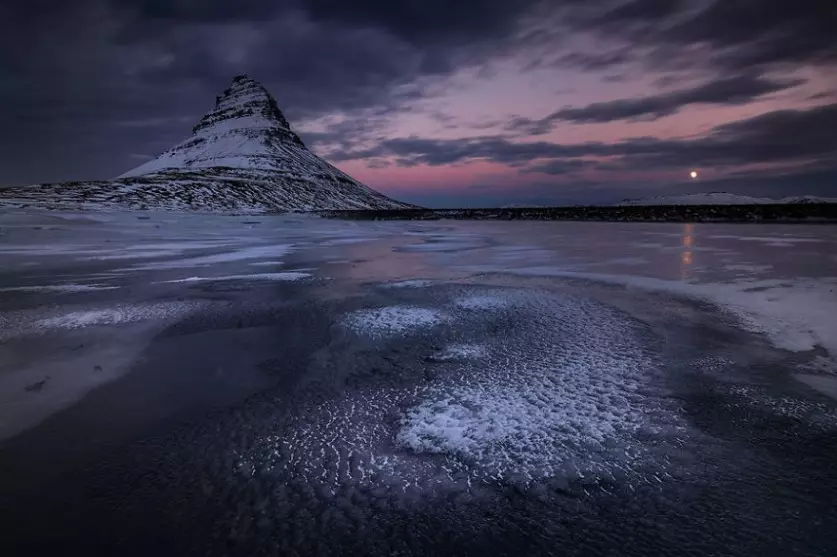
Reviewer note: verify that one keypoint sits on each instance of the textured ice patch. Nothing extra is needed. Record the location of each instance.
(479, 302)
(286, 276)
(807, 412)
(565, 397)
(561, 399)
(114, 315)
(393, 320)
(413, 283)
(795, 314)
(345, 444)
(460, 352)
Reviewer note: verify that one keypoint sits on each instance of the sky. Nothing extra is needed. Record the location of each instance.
(444, 103)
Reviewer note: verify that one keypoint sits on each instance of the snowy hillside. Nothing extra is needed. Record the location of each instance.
(242, 157)
(722, 198)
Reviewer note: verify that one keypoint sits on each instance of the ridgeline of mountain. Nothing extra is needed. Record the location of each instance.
(723, 198)
(242, 157)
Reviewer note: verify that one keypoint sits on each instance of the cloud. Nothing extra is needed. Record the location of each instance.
(87, 83)
(730, 91)
(428, 20)
(745, 33)
(721, 34)
(775, 137)
(561, 166)
(597, 60)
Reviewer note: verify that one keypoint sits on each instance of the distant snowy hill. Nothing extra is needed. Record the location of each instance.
(242, 157)
(721, 198)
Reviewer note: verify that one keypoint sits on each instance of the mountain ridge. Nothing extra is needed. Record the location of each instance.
(242, 156)
(723, 198)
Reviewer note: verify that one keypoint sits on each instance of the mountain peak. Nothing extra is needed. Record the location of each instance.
(241, 157)
(246, 103)
(245, 130)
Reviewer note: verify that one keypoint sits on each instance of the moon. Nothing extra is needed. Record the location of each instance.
(693, 174)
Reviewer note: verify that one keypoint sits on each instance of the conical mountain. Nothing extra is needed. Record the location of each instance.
(242, 156)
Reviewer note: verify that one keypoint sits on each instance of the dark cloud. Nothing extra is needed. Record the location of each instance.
(596, 61)
(644, 13)
(182, 11)
(731, 91)
(760, 32)
(426, 20)
(729, 34)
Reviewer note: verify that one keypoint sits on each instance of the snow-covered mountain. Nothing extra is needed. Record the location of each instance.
(722, 198)
(242, 157)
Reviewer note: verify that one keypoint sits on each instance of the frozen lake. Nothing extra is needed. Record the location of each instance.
(188, 384)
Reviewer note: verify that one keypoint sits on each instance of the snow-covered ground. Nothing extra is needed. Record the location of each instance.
(418, 362)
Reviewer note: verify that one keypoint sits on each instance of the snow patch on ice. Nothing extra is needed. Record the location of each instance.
(393, 320)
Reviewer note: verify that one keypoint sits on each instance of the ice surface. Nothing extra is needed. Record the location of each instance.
(484, 301)
(413, 283)
(797, 315)
(266, 263)
(580, 388)
(35, 385)
(145, 254)
(813, 414)
(767, 239)
(114, 315)
(254, 252)
(564, 394)
(68, 288)
(284, 276)
(561, 398)
(461, 352)
(825, 384)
